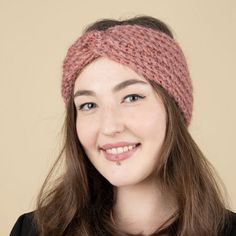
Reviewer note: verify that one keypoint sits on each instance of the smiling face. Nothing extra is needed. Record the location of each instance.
(119, 115)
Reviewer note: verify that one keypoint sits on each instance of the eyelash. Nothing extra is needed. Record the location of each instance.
(130, 95)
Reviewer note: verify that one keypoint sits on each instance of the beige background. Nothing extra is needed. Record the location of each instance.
(34, 37)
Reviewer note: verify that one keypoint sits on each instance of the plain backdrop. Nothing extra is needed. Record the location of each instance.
(34, 38)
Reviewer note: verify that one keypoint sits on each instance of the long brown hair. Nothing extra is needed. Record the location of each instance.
(80, 200)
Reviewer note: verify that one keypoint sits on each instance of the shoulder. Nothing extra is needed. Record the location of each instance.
(233, 217)
(230, 230)
(24, 226)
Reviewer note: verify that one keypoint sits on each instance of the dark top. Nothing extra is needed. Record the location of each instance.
(24, 226)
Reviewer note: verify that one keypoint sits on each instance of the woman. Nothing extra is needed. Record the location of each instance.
(131, 166)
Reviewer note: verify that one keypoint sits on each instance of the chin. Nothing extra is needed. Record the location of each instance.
(119, 181)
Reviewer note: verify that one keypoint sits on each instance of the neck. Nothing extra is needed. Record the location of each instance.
(142, 208)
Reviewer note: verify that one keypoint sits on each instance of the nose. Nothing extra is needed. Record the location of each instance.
(111, 122)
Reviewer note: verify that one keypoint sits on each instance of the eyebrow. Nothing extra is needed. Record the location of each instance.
(117, 88)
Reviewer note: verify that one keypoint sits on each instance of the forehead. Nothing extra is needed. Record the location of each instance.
(105, 71)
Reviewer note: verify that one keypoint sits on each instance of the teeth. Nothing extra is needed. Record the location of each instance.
(120, 149)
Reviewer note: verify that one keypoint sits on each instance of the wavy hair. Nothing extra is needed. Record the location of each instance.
(80, 200)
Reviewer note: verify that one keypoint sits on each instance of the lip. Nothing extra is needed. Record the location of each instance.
(115, 145)
(121, 156)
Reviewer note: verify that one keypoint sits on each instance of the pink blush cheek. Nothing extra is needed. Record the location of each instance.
(85, 134)
(147, 118)
(150, 125)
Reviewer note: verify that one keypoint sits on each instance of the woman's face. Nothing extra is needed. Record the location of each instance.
(118, 111)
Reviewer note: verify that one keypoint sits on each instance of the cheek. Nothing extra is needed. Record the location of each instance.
(156, 123)
(86, 132)
(150, 122)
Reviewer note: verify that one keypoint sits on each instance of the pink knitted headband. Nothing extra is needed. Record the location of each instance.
(150, 53)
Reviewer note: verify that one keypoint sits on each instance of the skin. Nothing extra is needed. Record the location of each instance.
(109, 116)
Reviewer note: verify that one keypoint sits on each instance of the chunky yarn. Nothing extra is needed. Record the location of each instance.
(149, 52)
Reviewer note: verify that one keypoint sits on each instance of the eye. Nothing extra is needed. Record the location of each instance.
(87, 106)
(133, 97)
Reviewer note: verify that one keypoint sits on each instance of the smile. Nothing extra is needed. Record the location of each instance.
(120, 149)
(120, 153)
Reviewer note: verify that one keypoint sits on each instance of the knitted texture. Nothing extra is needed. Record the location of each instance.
(150, 53)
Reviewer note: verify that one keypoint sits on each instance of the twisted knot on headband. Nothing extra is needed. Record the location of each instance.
(149, 52)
